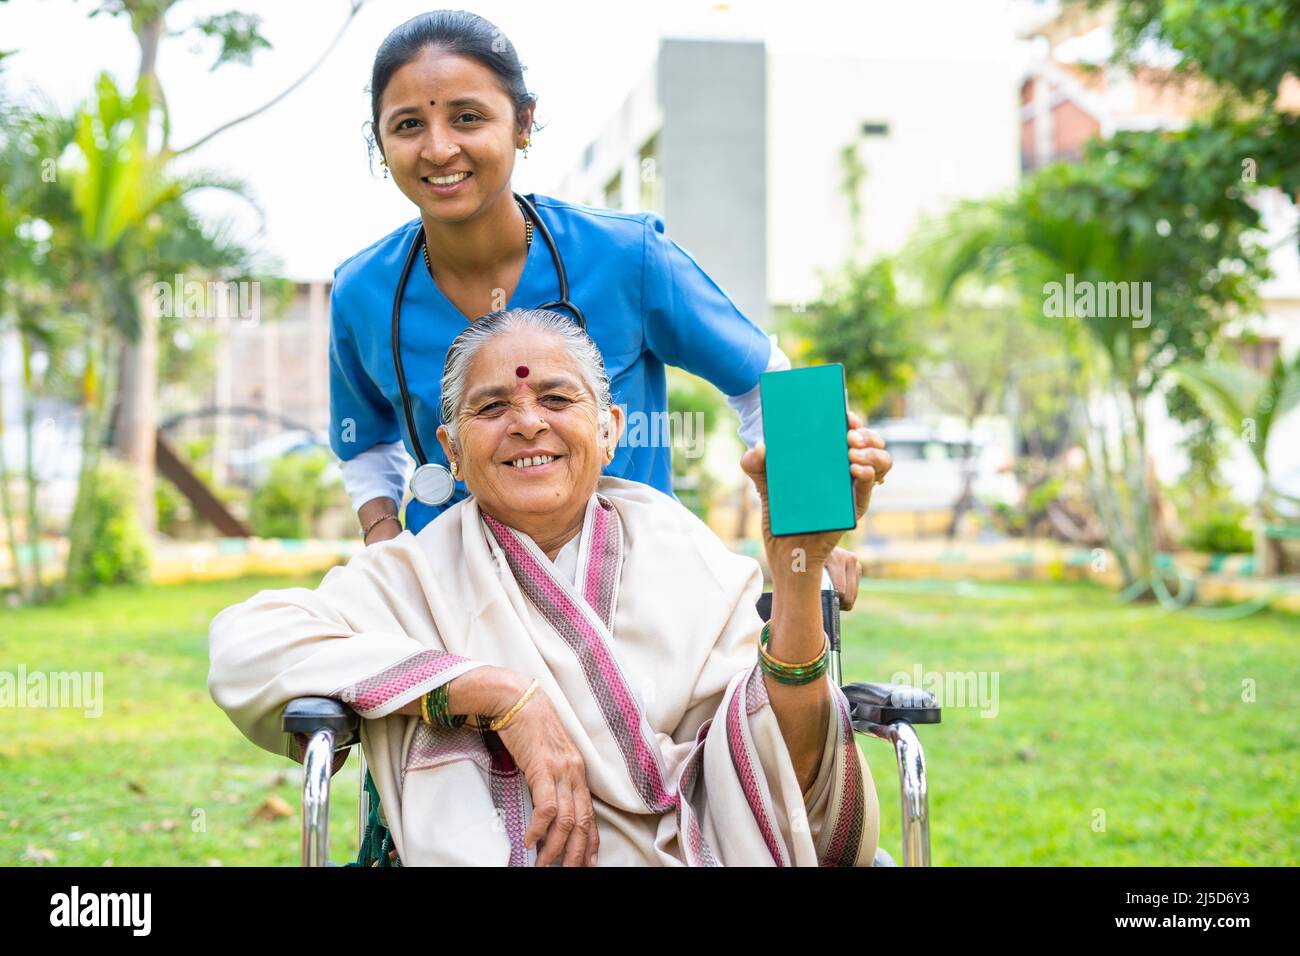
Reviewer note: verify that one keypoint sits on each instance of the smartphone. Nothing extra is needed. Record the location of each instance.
(805, 431)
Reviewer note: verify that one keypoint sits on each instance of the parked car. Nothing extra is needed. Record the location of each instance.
(251, 466)
(930, 466)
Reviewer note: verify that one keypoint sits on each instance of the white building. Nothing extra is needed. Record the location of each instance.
(735, 133)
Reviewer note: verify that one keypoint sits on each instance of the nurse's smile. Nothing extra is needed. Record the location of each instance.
(446, 185)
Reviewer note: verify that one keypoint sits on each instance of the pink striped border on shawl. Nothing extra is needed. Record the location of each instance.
(371, 693)
(507, 782)
(603, 562)
(696, 848)
(617, 704)
(753, 695)
(850, 820)
(434, 747)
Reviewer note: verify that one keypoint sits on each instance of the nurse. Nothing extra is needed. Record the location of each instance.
(449, 109)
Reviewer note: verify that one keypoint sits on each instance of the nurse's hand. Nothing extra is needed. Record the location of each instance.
(380, 516)
(845, 571)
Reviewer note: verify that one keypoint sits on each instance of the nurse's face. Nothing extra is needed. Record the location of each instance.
(444, 115)
(506, 416)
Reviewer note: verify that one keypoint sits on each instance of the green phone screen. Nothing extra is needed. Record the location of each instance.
(805, 428)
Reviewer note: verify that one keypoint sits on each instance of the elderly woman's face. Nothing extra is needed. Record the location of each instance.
(524, 399)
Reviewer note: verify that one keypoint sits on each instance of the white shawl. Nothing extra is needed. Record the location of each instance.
(649, 658)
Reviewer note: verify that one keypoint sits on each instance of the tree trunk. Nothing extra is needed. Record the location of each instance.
(966, 500)
(7, 510)
(94, 388)
(1101, 483)
(137, 423)
(29, 432)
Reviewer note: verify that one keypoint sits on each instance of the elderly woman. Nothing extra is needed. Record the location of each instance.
(566, 668)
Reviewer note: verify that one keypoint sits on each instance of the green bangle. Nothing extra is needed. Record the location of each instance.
(787, 673)
(435, 706)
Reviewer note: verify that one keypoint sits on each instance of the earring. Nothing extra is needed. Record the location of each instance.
(527, 143)
(455, 470)
(384, 163)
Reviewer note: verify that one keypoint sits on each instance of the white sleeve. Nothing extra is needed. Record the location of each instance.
(380, 471)
(748, 406)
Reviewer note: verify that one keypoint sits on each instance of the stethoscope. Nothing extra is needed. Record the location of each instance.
(432, 484)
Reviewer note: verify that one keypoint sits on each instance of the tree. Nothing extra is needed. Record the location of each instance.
(94, 216)
(240, 38)
(1247, 46)
(127, 217)
(860, 322)
(1164, 210)
(1250, 405)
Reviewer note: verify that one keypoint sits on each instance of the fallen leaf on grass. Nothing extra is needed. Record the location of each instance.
(38, 856)
(273, 808)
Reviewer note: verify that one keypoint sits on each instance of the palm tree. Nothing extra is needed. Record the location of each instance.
(1138, 209)
(1246, 403)
(118, 221)
(240, 39)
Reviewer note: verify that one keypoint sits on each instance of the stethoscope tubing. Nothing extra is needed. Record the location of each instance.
(562, 303)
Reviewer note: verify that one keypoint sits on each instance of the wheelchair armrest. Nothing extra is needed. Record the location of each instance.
(885, 703)
(306, 715)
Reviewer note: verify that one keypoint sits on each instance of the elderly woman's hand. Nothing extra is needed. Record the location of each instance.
(563, 817)
(808, 553)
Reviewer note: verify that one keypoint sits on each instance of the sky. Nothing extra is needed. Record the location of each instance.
(305, 159)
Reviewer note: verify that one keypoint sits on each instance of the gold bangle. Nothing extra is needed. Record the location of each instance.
(503, 721)
(762, 649)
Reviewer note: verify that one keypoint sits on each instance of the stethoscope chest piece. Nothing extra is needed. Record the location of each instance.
(432, 484)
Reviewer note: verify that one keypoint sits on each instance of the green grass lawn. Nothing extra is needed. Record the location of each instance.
(1121, 735)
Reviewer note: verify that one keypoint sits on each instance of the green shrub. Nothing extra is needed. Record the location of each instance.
(171, 506)
(118, 551)
(1220, 530)
(293, 497)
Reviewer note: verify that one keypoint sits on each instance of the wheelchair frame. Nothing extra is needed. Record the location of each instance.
(887, 711)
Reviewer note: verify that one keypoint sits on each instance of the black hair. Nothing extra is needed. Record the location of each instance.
(455, 31)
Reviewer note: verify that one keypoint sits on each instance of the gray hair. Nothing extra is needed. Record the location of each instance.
(579, 345)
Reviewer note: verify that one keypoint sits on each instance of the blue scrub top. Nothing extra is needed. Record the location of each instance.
(648, 304)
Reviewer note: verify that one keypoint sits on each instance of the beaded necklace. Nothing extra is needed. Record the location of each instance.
(528, 239)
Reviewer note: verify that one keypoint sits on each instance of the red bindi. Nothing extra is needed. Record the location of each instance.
(522, 371)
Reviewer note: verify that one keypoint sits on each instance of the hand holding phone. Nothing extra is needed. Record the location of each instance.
(818, 482)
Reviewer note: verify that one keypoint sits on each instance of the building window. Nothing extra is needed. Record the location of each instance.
(614, 192)
(1260, 353)
(651, 182)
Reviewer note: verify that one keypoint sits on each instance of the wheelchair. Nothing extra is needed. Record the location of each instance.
(887, 711)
